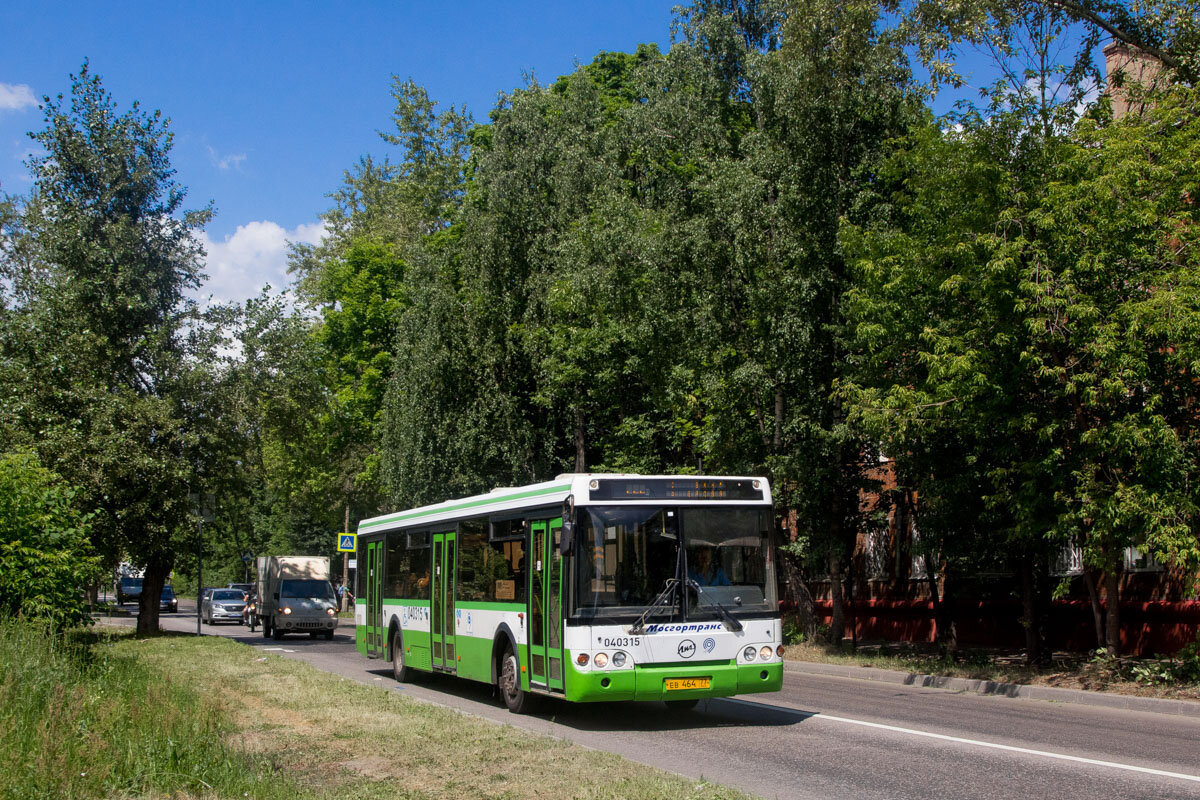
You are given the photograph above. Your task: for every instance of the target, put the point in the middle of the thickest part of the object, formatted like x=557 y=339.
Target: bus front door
x=374 y=584
x=442 y=617
x=545 y=605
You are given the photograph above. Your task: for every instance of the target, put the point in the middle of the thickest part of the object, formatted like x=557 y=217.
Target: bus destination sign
x=675 y=489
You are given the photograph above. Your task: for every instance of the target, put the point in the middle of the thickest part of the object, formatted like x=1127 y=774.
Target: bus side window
x=473 y=561
x=507 y=570
x=396 y=566
x=417 y=583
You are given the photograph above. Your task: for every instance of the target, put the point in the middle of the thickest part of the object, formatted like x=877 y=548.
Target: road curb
x=1154 y=705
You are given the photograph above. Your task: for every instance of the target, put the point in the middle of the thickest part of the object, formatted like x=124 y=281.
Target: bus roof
x=607 y=488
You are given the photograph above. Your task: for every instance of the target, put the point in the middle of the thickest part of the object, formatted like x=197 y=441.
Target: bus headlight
x=619 y=659
x=765 y=653
x=601 y=660
x=749 y=653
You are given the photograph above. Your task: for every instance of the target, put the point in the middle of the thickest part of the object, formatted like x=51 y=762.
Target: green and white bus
x=587 y=587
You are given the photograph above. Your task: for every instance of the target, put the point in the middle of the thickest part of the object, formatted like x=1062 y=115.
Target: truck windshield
x=309 y=589
x=627 y=555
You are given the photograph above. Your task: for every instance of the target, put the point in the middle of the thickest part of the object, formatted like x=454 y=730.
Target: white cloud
x=15 y=97
x=255 y=255
x=221 y=162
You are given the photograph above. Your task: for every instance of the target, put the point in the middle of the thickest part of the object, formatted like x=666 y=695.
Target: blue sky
x=270 y=101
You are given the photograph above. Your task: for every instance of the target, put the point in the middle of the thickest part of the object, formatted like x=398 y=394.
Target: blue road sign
x=347 y=542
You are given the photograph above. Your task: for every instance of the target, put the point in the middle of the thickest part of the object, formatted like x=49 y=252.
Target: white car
x=223 y=605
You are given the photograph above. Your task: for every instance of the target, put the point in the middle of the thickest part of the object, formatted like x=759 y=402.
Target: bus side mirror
x=566 y=537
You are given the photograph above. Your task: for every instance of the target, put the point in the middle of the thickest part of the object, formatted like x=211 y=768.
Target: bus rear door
x=374 y=585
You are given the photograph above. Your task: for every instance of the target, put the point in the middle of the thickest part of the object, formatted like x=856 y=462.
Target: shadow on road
x=585 y=717
x=619 y=716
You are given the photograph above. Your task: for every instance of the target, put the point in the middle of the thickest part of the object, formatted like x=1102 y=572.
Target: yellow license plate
x=674 y=684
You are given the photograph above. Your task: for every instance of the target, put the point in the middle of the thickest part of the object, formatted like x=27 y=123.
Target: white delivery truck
x=295 y=596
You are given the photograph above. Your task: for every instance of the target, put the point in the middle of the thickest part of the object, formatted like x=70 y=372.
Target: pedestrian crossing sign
x=347 y=542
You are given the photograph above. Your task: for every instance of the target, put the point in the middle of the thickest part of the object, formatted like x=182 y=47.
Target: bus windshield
x=628 y=554
x=307 y=589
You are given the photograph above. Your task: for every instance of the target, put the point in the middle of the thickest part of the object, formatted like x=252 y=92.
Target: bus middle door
x=442 y=617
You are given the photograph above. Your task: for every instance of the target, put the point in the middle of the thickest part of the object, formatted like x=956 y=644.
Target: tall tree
x=1016 y=302
x=106 y=340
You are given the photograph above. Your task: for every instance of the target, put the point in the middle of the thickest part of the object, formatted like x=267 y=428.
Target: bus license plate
x=673 y=684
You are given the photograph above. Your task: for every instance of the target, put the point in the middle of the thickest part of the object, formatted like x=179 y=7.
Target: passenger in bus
x=703 y=571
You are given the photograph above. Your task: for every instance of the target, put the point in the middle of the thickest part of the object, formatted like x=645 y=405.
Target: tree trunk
x=1028 y=611
x=1112 y=601
x=946 y=629
x=153 y=580
x=1089 y=579
x=580 y=460
x=1034 y=593
x=797 y=596
x=837 y=623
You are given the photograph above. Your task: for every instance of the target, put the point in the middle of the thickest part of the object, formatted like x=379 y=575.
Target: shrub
x=46 y=559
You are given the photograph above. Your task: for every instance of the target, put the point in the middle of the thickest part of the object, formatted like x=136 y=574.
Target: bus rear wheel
x=400 y=670
x=516 y=699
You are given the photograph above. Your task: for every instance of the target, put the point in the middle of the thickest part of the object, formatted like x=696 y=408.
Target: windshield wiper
x=639 y=628
x=731 y=622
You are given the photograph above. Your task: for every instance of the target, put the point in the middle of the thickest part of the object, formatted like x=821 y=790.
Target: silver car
x=223 y=605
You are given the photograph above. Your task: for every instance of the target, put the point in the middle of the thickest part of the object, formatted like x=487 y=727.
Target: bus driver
x=702 y=570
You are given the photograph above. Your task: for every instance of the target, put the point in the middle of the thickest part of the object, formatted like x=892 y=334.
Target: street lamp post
x=199 y=573
x=203 y=506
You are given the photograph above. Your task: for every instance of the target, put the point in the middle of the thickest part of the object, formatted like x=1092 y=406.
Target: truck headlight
x=286 y=610
x=329 y=611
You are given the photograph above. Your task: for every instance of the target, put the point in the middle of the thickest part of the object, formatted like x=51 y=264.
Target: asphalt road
x=825 y=737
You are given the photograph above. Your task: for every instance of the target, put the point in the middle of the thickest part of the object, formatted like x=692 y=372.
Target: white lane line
x=1012 y=749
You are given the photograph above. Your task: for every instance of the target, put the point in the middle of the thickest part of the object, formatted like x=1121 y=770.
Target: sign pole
x=347 y=544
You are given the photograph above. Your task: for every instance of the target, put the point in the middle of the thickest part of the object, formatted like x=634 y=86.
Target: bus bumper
x=649 y=682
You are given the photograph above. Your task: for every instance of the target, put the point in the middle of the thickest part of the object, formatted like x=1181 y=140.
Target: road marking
x=272 y=648
x=1011 y=748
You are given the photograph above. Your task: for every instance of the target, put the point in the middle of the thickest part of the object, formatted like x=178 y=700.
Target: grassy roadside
x=1066 y=671
x=81 y=716
x=213 y=718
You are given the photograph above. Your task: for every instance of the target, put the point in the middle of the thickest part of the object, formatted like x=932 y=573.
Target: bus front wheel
x=516 y=699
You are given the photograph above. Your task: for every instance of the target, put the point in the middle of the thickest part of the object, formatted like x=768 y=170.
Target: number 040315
x=623 y=641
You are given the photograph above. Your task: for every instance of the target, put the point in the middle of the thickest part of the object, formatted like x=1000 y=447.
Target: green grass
x=81 y=717
x=104 y=714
